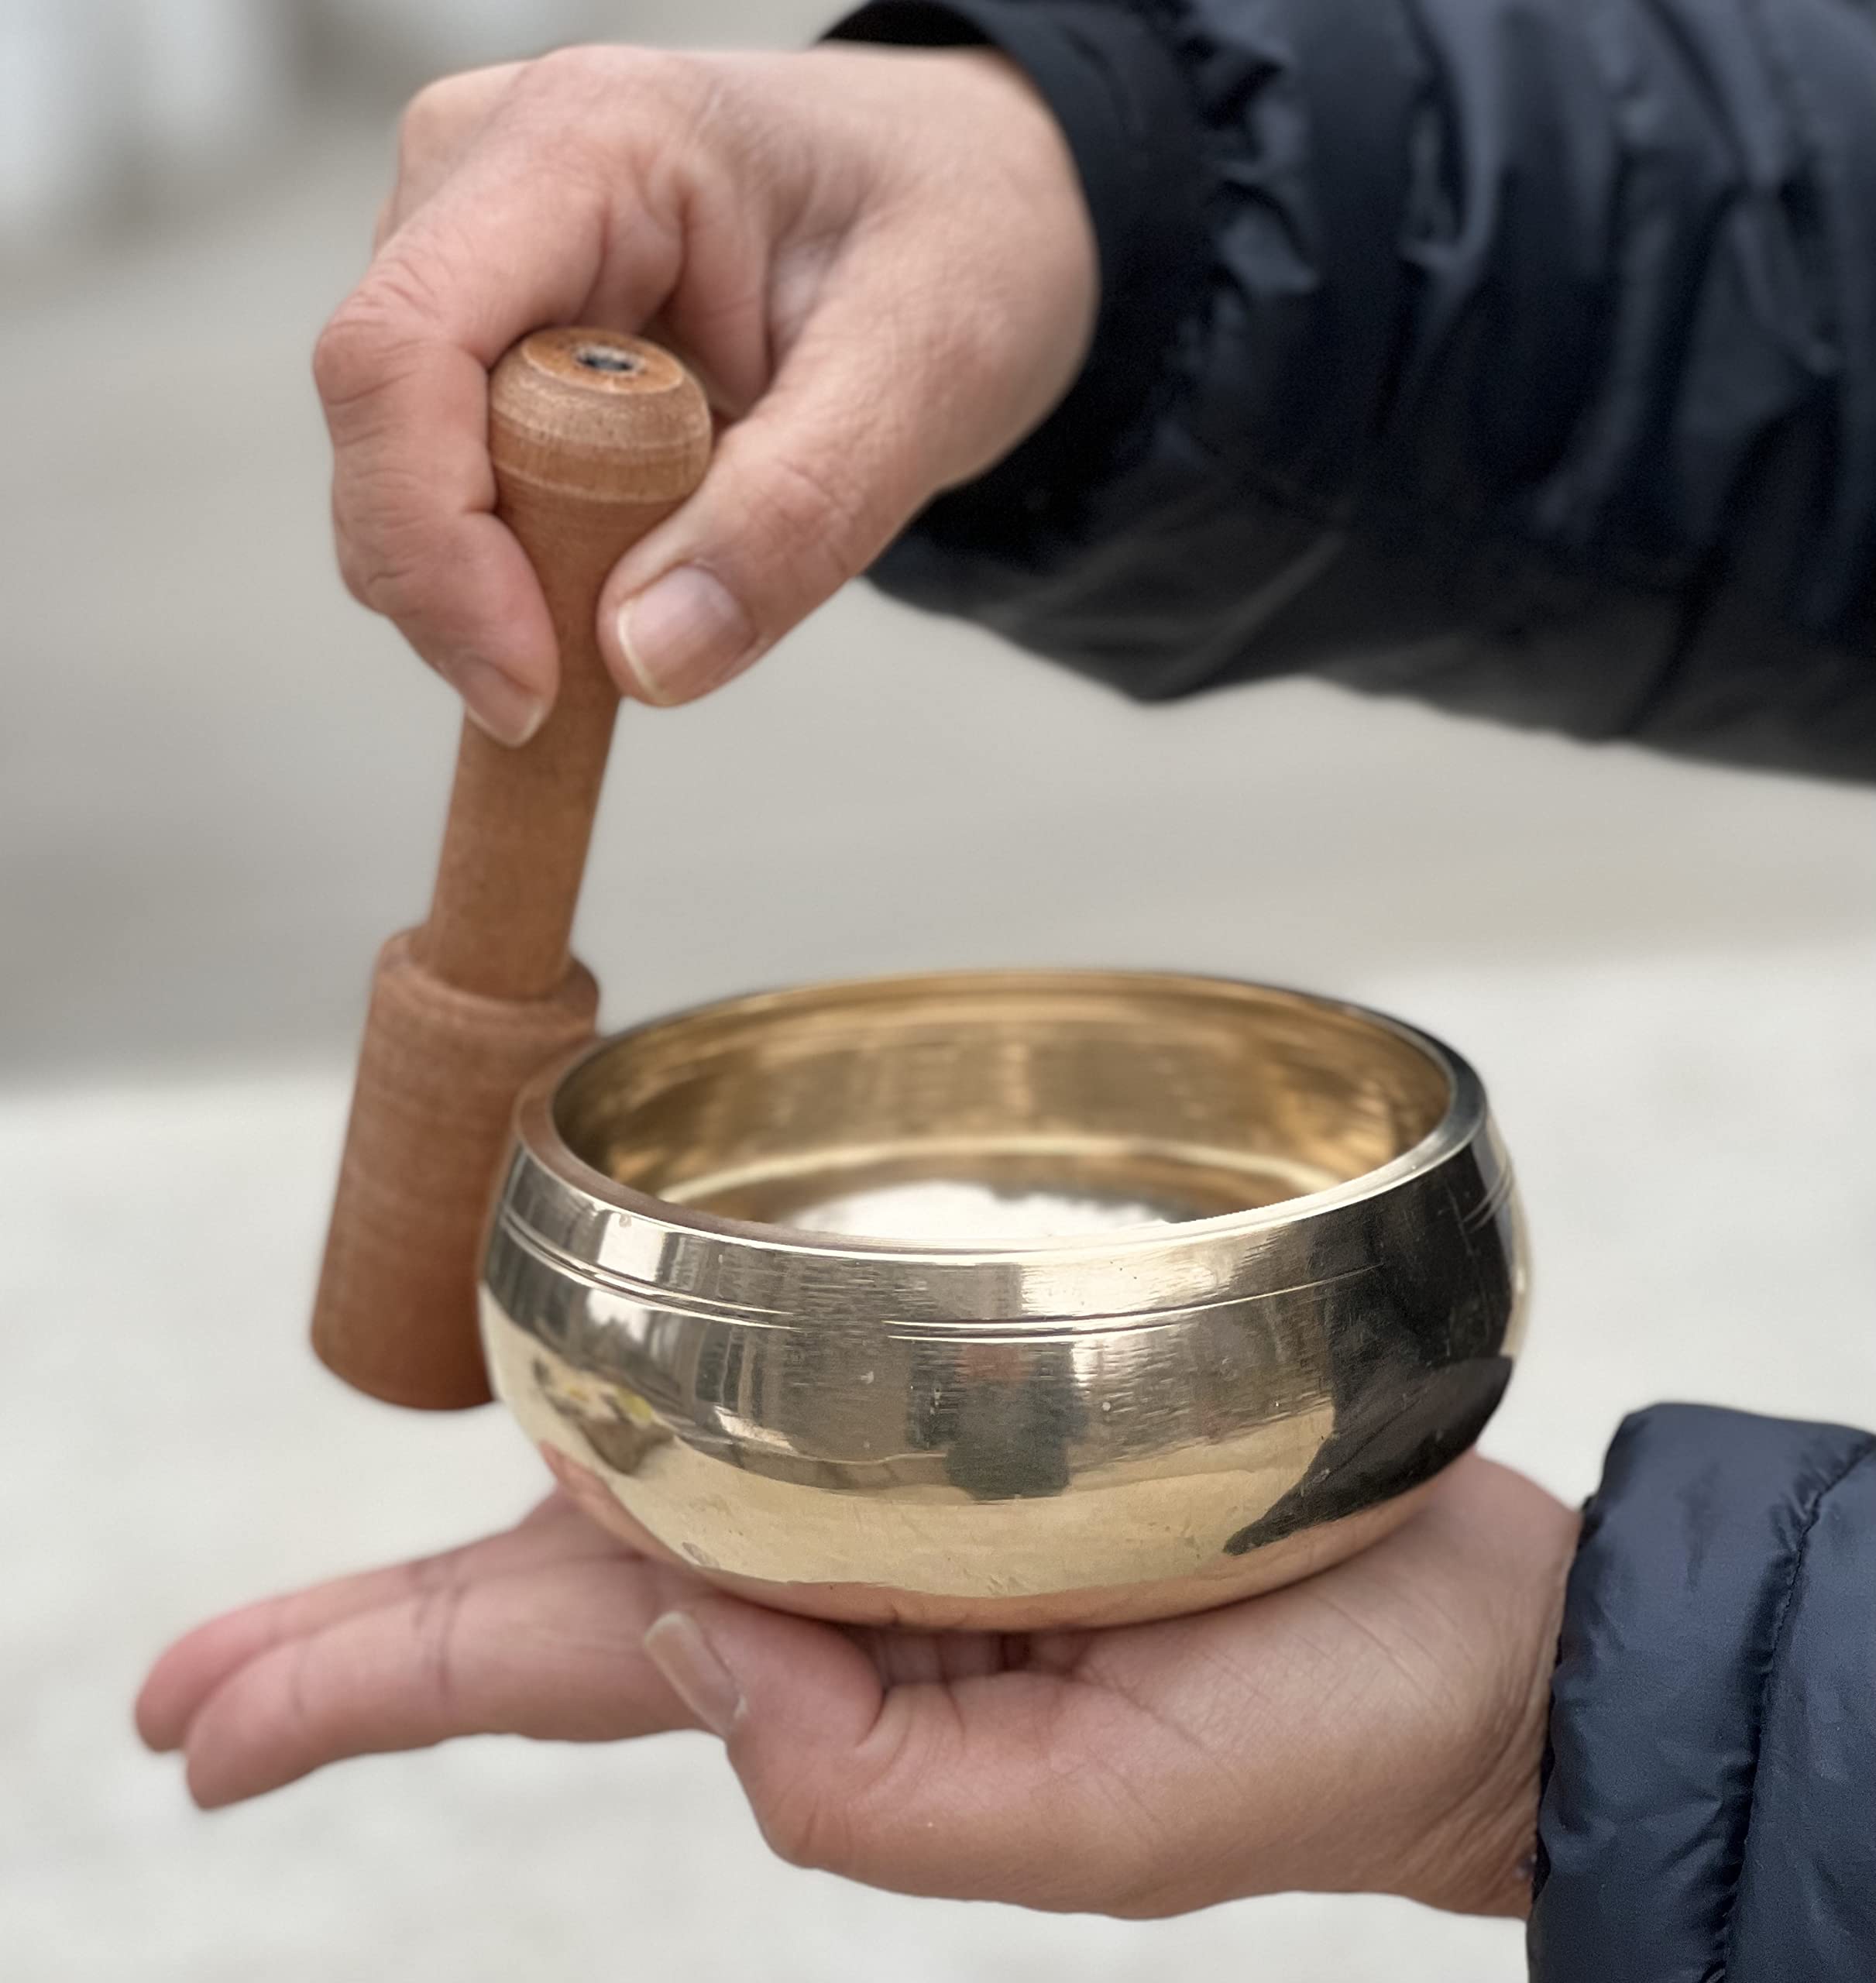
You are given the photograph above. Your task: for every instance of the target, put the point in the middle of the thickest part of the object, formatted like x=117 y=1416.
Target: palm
x=1315 y=1737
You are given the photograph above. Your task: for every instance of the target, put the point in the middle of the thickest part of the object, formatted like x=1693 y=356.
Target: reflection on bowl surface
x=952 y=1208
x=1006 y=1298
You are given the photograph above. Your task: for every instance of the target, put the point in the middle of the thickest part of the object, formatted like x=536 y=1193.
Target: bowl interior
x=1003 y=1105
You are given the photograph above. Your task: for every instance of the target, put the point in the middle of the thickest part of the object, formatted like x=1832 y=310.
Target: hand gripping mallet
x=594 y=439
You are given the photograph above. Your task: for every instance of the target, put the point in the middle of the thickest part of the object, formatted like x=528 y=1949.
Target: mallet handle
x=595 y=439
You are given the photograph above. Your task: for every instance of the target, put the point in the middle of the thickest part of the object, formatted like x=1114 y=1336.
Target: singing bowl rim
x=538 y=1139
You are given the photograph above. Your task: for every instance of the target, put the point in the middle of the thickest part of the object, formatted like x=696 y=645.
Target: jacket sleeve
x=1520 y=355
x=1709 y=1805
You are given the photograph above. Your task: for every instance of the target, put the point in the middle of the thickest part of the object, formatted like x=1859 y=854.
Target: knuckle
x=376 y=587
x=567 y=107
x=382 y=568
x=427 y=119
x=371 y=337
x=402 y=295
x=613 y=95
x=603 y=66
x=352 y=572
x=560 y=69
x=344 y=357
x=575 y=78
x=864 y=1825
x=386 y=584
x=811 y=521
x=297 y=1709
x=804 y=1827
x=434 y=1623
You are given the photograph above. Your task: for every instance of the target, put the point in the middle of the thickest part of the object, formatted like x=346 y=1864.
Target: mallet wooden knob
x=595 y=438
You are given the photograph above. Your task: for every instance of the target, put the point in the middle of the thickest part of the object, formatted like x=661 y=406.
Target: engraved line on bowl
x=538 y=1247
x=1492 y=1203
x=1028 y=1329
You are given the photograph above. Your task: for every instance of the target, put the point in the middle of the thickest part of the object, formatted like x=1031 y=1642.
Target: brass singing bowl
x=1005 y=1300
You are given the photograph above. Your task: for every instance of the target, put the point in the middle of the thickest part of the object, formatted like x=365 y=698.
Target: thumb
x=804 y=494
x=970 y=1782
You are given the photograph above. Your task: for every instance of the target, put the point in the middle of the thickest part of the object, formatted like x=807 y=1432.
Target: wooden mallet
x=595 y=439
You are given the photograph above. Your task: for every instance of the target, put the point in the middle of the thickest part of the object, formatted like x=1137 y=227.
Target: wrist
x=1041 y=173
x=1121 y=104
x=1479 y=1854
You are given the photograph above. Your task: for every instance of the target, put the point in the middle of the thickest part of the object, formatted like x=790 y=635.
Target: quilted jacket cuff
x=1706 y=1806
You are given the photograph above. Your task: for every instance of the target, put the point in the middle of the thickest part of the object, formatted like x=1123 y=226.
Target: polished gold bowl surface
x=1005 y=1299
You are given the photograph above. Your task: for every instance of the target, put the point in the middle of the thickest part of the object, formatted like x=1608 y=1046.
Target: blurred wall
x=220 y=783
x=111 y=109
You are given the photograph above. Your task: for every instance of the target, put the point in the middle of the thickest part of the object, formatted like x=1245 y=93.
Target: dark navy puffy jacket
x=1709 y=1810
x=1520 y=355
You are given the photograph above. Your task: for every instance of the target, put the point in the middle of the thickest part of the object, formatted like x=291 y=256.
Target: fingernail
x=683 y=634
x=509 y=713
x=677 y=1647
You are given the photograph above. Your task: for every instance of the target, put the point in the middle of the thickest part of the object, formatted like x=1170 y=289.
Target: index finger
x=553 y=1653
x=515 y=241
x=190 y=1671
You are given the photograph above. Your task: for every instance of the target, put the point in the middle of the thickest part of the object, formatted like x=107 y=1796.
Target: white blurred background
x=220 y=784
x=111 y=109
